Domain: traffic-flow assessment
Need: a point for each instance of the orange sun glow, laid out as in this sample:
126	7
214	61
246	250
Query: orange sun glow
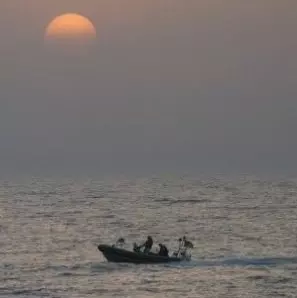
70	26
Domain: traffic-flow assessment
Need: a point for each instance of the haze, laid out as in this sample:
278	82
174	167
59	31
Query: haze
195	85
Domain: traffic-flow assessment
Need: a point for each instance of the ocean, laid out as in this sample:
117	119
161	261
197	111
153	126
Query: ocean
243	229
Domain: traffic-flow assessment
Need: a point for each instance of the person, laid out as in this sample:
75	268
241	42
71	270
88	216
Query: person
136	248
184	244
180	246
120	243
163	250
147	245
180	243
187	243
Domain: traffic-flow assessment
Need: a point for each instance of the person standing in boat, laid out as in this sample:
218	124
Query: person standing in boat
187	243
147	245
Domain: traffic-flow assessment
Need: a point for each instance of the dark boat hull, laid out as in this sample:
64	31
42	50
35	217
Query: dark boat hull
118	255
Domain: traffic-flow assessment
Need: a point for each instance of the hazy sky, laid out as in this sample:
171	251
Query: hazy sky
170	85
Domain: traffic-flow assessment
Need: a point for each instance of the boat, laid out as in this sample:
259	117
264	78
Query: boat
119	255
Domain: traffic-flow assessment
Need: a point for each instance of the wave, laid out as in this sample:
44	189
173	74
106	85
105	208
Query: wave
21	292
109	267
95	197
181	201
42	193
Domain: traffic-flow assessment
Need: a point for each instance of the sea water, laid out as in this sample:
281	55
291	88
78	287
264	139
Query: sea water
243	228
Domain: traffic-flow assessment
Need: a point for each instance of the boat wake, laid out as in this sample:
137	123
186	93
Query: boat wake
239	262
268	261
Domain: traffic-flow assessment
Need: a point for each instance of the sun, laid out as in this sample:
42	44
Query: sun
69	35
70	26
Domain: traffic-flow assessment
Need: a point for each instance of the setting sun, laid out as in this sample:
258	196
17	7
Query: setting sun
70	34
70	26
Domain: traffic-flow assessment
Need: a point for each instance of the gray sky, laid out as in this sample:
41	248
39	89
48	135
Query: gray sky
192	85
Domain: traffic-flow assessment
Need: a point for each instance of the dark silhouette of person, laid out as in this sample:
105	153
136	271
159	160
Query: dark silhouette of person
187	243
163	250
148	244
136	248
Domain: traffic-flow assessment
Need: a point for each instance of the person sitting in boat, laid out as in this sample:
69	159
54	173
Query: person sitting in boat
163	250
148	244
120	242
136	248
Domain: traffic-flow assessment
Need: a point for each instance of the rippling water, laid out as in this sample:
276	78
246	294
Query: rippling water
244	231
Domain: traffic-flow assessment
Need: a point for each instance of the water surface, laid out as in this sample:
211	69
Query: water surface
243	228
